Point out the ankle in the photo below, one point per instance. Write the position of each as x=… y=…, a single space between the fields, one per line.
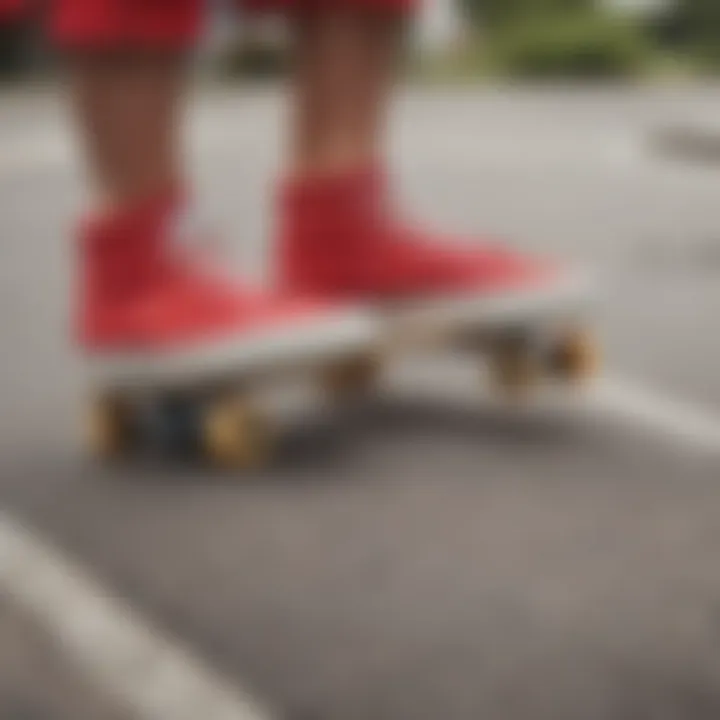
x=335 y=161
x=115 y=206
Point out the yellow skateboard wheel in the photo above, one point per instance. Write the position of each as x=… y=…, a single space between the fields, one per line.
x=233 y=436
x=353 y=378
x=577 y=357
x=515 y=370
x=108 y=427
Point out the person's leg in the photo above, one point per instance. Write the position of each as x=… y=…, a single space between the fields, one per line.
x=147 y=276
x=128 y=107
x=340 y=232
x=340 y=235
x=126 y=63
x=345 y=64
x=346 y=57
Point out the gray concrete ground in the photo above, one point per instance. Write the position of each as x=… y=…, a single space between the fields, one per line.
x=420 y=558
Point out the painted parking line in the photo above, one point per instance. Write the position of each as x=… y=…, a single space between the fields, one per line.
x=612 y=397
x=154 y=677
x=682 y=422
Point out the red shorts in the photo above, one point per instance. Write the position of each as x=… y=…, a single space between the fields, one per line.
x=11 y=10
x=169 y=23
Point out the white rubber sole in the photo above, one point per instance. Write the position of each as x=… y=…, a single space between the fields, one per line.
x=565 y=297
x=306 y=341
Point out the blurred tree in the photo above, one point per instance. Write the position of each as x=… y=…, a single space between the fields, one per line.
x=493 y=14
x=560 y=38
x=692 y=26
x=579 y=44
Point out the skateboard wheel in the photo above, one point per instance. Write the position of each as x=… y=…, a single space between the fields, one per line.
x=576 y=357
x=232 y=436
x=515 y=370
x=352 y=378
x=108 y=429
x=173 y=424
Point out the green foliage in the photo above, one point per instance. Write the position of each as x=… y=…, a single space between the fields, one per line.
x=586 y=44
x=693 y=26
x=498 y=14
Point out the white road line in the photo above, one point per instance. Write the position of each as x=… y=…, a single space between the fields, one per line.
x=149 y=674
x=678 y=420
x=612 y=398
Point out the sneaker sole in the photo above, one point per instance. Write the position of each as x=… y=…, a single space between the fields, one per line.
x=436 y=319
x=304 y=343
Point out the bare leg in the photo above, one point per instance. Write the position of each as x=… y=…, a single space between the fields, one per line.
x=345 y=60
x=128 y=107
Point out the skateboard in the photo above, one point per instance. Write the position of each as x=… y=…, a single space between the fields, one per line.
x=522 y=341
x=210 y=407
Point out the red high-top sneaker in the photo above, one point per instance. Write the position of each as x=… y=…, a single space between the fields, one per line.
x=153 y=306
x=340 y=240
